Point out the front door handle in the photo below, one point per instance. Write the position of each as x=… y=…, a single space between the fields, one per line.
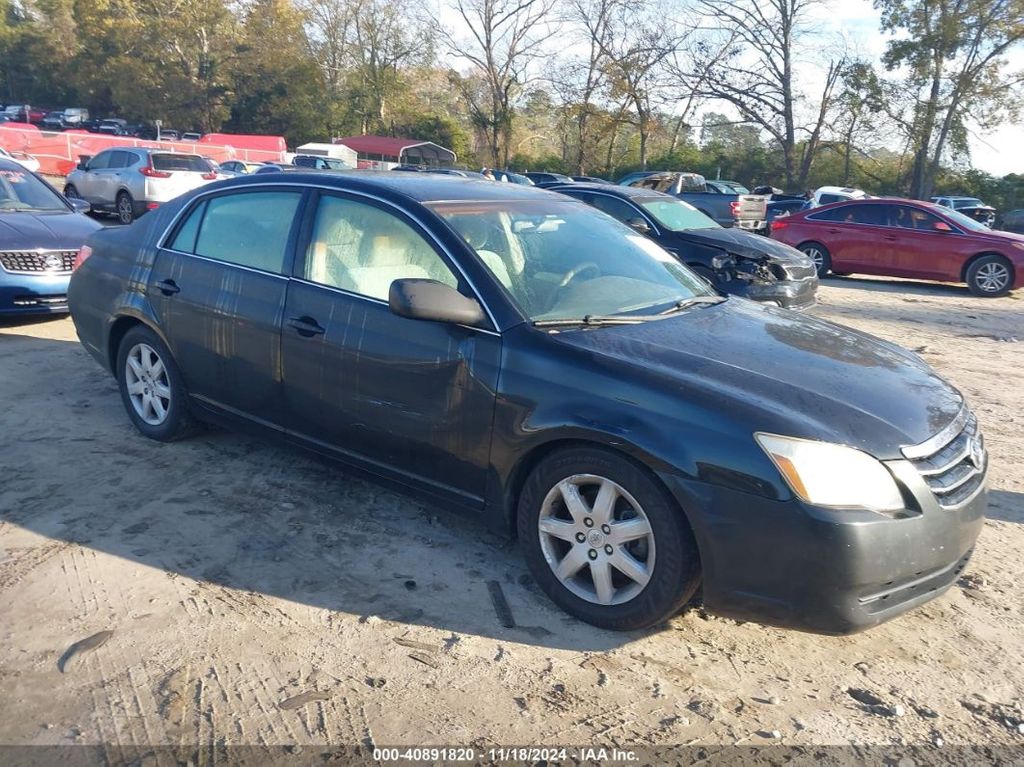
x=168 y=287
x=306 y=326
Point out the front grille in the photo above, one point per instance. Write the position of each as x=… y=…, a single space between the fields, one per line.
x=37 y=262
x=953 y=463
x=800 y=272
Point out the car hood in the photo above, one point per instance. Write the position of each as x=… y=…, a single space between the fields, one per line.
x=740 y=243
x=47 y=231
x=785 y=373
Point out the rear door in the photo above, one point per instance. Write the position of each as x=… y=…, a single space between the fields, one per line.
x=218 y=287
x=857 y=236
x=405 y=397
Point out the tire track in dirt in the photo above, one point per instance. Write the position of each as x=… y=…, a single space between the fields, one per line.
x=23 y=562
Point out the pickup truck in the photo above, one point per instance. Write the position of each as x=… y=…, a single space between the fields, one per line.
x=727 y=208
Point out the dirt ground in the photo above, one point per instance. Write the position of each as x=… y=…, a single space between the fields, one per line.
x=259 y=596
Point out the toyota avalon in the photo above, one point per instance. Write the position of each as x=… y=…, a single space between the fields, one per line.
x=526 y=358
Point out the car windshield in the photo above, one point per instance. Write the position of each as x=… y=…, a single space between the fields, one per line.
x=564 y=260
x=965 y=221
x=676 y=215
x=966 y=202
x=20 y=191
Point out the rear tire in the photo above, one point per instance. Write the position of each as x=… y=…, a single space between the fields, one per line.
x=124 y=208
x=151 y=387
x=819 y=254
x=622 y=557
x=989 y=276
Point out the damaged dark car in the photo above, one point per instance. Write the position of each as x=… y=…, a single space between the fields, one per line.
x=734 y=261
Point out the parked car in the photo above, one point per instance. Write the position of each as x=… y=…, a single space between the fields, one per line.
x=53 y=121
x=727 y=208
x=74 y=116
x=128 y=181
x=240 y=167
x=636 y=175
x=590 y=180
x=728 y=187
x=191 y=136
x=563 y=378
x=508 y=177
x=40 y=233
x=781 y=208
x=113 y=126
x=168 y=134
x=969 y=206
x=1013 y=221
x=539 y=178
x=733 y=261
x=829 y=194
x=23 y=113
x=26 y=161
x=906 y=238
x=318 y=162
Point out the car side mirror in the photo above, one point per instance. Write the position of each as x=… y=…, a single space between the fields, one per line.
x=83 y=162
x=419 y=299
x=639 y=225
x=80 y=205
x=942 y=226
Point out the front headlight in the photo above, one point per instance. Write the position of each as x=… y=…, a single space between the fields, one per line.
x=832 y=475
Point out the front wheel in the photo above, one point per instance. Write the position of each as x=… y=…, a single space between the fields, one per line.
x=605 y=542
x=151 y=386
x=819 y=254
x=125 y=208
x=990 y=276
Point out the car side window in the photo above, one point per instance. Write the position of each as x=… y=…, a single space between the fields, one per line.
x=248 y=229
x=118 y=159
x=913 y=218
x=363 y=249
x=615 y=208
x=100 y=161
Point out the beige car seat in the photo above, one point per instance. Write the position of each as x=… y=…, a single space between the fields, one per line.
x=390 y=257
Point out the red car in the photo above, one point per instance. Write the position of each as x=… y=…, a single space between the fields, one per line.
x=906 y=238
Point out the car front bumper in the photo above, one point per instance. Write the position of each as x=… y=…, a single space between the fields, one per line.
x=789 y=294
x=31 y=294
x=828 y=571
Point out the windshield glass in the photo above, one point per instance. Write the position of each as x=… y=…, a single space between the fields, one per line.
x=676 y=215
x=563 y=260
x=21 y=191
x=966 y=202
x=964 y=221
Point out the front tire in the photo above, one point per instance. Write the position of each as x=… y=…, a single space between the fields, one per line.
x=151 y=387
x=604 y=540
x=125 y=208
x=819 y=254
x=990 y=276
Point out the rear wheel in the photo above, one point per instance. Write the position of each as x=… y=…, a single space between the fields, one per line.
x=125 y=208
x=151 y=386
x=990 y=276
x=605 y=542
x=819 y=254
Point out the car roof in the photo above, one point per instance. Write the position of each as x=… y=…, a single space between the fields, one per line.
x=839 y=190
x=877 y=201
x=422 y=187
x=628 y=192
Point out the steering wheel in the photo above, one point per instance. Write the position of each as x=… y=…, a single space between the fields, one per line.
x=576 y=271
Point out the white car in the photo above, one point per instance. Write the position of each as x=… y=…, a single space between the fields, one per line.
x=24 y=160
x=828 y=194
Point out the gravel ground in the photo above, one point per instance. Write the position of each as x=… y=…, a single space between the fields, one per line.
x=257 y=595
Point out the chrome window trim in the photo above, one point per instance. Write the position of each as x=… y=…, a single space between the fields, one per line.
x=299 y=186
x=938 y=440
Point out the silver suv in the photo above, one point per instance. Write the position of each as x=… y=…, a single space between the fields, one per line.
x=128 y=181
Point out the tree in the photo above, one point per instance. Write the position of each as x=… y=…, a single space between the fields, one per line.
x=954 y=51
x=751 y=66
x=505 y=37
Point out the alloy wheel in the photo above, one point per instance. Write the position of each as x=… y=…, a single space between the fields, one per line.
x=816 y=256
x=992 y=277
x=596 y=539
x=125 y=209
x=149 y=388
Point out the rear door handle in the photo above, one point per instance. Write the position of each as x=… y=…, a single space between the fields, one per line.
x=306 y=326
x=168 y=287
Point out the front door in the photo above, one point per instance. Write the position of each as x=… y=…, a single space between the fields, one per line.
x=218 y=288
x=406 y=398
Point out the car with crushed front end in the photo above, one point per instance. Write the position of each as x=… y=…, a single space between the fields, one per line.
x=732 y=260
x=40 y=233
x=567 y=380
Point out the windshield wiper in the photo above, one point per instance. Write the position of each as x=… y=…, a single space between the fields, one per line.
x=686 y=303
x=594 y=320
